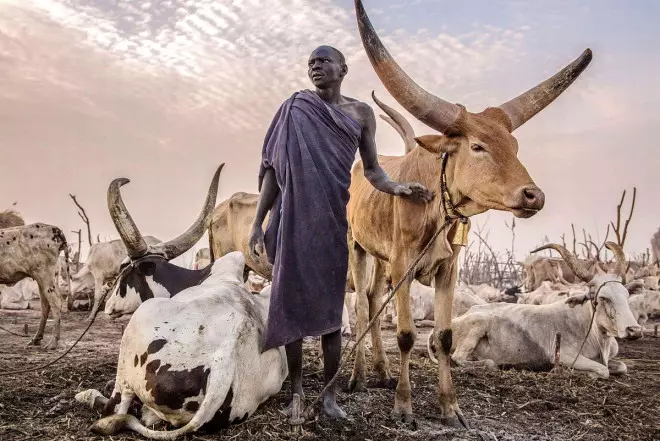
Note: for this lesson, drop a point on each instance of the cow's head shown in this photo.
(146, 272)
(613, 316)
(483, 166)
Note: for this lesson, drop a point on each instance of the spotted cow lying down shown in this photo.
(194, 360)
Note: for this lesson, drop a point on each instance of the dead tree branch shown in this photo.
(84, 217)
(621, 235)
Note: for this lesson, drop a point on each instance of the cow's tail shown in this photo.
(65, 247)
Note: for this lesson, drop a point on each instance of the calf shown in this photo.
(523, 335)
(32, 251)
(194, 360)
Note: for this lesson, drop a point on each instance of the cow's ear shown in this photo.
(438, 143)
(147, 268)
(577, 300)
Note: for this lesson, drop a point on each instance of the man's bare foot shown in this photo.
(332, 410)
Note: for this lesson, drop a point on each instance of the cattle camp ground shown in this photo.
(502, 405)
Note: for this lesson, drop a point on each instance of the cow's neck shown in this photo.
(175, 278)
(430, 165)
(597, 343)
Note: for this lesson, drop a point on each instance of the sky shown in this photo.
(162, 92)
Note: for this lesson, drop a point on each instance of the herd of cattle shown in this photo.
(191, 352)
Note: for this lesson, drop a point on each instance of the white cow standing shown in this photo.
(194, 359)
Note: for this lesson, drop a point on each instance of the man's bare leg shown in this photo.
(331, 344)
(294, 359)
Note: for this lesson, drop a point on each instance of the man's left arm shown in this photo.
(375, 173)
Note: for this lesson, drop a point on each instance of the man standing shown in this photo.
(304, 179)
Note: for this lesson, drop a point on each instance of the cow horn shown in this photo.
(570, 260)
(130, 234)
(429, 109)
(525, 106)
(399, 122)
(620, 256)
(185, 241)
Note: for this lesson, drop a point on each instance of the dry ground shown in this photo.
(503, 405)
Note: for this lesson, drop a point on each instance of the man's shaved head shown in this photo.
(337, 53)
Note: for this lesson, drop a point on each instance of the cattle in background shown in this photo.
(551, 292)
(194, 360)
(476, 157)
(32, 251)
(539, 269)
(202, 258)
(22, 295)
(10, 218)
(147, 272)
(229, 230)
(102, 265)
(523, 335)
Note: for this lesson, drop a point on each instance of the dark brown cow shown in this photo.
(477, 159)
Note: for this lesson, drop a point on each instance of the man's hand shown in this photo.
(414, 192)
(256, 242)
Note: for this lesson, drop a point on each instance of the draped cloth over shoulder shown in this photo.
(311, 147)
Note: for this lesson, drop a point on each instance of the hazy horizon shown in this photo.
(163, 92)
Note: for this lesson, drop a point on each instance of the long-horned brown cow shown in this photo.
(477, 159)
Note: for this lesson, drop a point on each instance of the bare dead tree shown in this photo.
(493, 255)
(84, 217)
(621, 235)
(574, 240)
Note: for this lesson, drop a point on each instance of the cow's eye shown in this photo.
(147, 268)
(477, 148)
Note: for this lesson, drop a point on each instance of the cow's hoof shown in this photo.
(109, 388)
(402, 415)
(385, 383)
(34, 342)
(52, 344)
(456, 421)
(356, 385)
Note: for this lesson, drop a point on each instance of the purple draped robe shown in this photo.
(311, 146)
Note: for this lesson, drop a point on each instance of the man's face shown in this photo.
(325, 68)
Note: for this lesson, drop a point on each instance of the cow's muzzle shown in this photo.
(634, 332)
(526, 201)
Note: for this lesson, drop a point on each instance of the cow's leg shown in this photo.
(590, 367)
(93, 398)
(98, 288)
(55, 301)
(358, 265)
(445, 281)
(466, 345)
(45, 309)
(380, 361)
(617, 367)
(405, 337)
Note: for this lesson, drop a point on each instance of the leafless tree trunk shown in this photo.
(76, 262)
(84, 217)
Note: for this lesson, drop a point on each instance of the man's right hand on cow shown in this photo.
(256, 242)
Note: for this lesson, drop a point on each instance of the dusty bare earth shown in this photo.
(504, 405)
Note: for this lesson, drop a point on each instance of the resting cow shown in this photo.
(147, 272)
(194, 360)
(32, 251)
(524, 335)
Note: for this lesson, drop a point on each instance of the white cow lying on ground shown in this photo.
(194, 359)
(550, 292)
(422, 300)
(500, 334)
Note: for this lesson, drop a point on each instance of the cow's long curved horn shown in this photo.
(185, 241)
(428, 108)
(570, 260)
(399, 122)
(128, 231)
(525, 106)
(620, 256)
